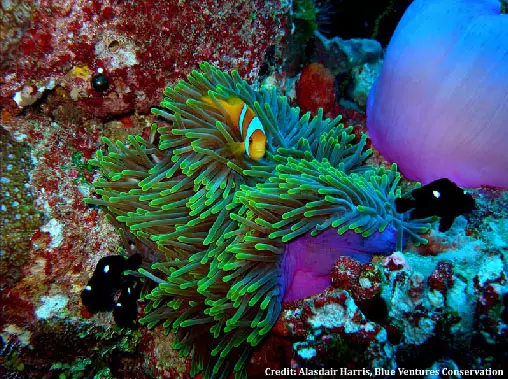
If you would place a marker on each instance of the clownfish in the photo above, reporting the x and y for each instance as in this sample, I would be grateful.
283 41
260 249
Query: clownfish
247 124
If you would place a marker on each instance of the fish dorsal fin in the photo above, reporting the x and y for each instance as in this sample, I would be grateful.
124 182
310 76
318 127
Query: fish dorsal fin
231 109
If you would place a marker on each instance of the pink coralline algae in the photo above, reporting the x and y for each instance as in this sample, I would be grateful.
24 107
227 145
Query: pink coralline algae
331 329
362 281
49 112
442 277
139 47
58 253
17 15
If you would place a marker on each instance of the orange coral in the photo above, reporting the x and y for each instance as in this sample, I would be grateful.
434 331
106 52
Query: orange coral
315 89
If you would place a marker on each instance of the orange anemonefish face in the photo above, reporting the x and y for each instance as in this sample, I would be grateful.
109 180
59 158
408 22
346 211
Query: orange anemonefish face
257 145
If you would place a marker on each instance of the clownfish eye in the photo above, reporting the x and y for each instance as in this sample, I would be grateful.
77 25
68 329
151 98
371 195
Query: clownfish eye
250 140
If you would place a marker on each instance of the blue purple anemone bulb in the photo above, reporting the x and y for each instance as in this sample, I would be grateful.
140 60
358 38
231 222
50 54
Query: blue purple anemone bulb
439 108
236 233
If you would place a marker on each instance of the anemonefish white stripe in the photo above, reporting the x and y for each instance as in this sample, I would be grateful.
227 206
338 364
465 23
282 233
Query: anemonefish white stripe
255 124
241 120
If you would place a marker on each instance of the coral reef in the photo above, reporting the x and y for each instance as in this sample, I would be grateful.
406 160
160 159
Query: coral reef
16 16
55 47
19 217
340 56
352 64
50 240
439 100
411 310
222 225
362 80
438 306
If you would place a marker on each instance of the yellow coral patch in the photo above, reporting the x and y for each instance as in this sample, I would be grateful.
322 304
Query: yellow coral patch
82 72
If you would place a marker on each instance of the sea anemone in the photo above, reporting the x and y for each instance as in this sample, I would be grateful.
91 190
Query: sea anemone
231 235
440 106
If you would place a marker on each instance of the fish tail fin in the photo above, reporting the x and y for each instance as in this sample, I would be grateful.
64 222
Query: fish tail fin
403 205
237 148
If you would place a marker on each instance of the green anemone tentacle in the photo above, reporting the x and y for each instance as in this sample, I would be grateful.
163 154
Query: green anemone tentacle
219 222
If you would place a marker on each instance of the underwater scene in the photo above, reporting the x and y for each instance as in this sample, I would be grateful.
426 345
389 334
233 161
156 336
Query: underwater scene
250 189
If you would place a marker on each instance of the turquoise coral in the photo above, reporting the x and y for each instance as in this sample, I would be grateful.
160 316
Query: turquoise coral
220 223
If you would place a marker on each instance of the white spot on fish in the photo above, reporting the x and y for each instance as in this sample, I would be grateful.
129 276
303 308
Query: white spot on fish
106 269
436 194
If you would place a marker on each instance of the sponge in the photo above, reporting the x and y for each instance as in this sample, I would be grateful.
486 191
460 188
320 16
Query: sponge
440 105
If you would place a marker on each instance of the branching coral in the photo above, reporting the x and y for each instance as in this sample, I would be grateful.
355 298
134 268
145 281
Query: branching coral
222 225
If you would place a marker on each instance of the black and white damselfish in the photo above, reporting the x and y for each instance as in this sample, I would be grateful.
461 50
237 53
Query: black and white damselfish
110 290
442 198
